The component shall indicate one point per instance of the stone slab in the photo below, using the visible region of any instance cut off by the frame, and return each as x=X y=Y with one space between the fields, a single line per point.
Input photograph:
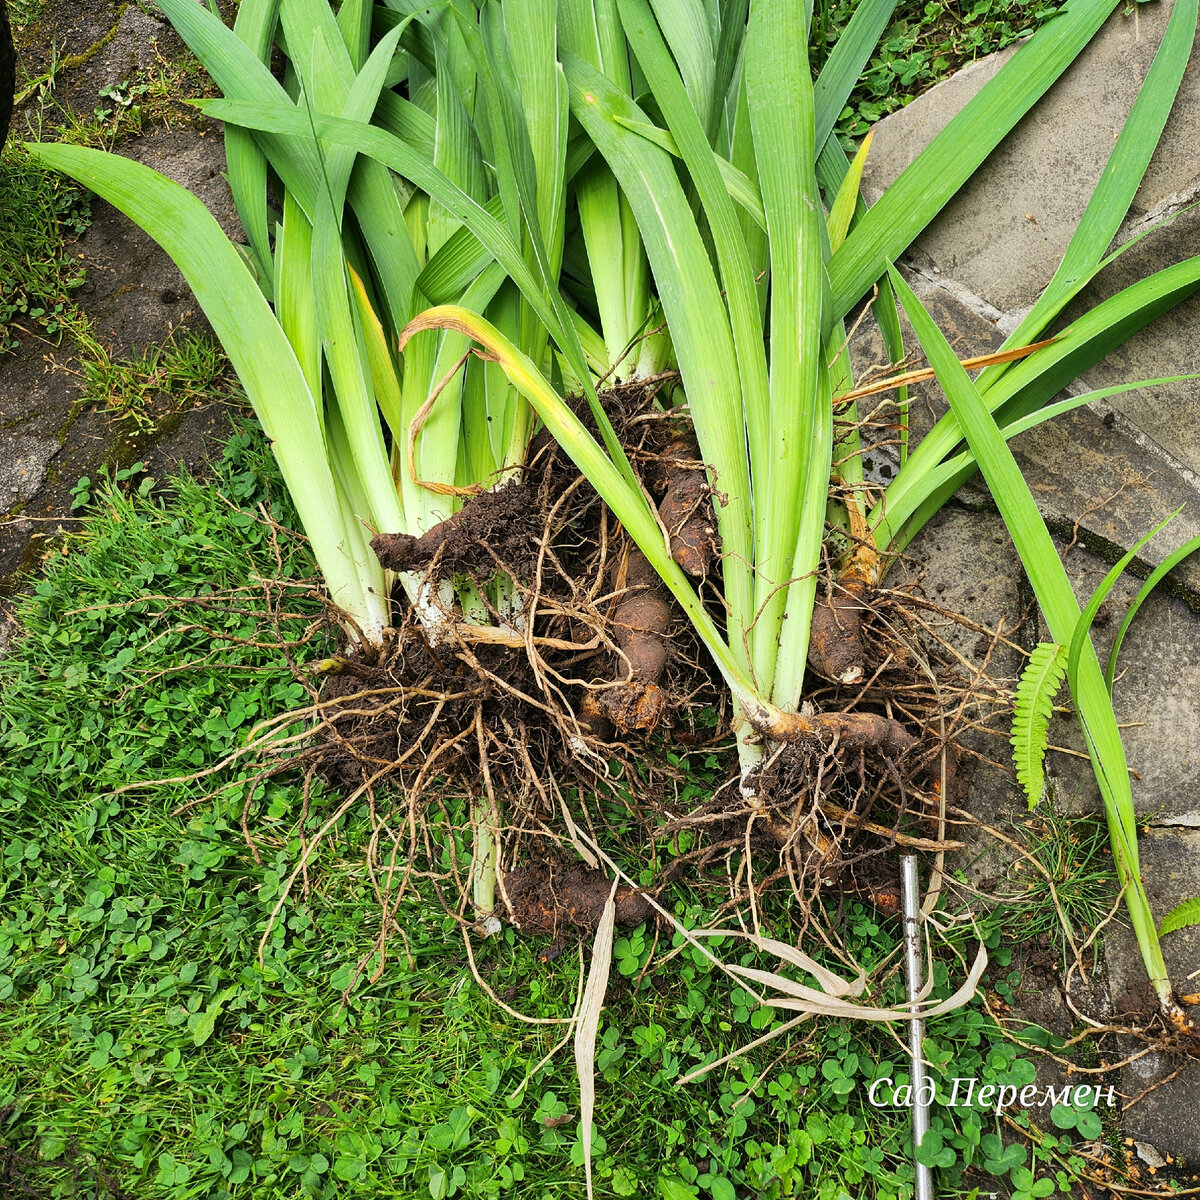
x=964 y=562
x=1091 y=472
x=1004 y=233
x=1165 y=1117
x=997 y=244
x=23 y=468
x=1155 y=696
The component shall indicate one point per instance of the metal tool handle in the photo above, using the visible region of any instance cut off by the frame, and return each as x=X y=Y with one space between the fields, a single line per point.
x=914 y=962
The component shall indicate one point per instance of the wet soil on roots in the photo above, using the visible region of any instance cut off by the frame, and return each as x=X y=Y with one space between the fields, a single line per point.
x=562 y=717
x=554 y=896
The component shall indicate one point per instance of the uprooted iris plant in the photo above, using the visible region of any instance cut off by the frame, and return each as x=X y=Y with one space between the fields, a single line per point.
x=491 y=221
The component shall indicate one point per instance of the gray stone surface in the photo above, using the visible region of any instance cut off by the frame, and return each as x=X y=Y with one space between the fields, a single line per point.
x=23 y=468
x=969 y=566
x=964 y=562
x=133 y=294
x=1103 y=476
x=1089 y=470
x=1034 y=188
x=995 y=247
x=1155 y=695
x=1165 y=1117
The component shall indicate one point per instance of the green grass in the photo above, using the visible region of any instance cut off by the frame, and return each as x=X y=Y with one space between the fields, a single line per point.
x=1075 y=854
x=22 y=12
x=141 y=1041
x=41 y=214
x=188 y=368
x=925 y=42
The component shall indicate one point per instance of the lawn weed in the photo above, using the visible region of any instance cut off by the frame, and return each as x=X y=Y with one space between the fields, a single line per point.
x=44 y=213
x=142 y=1038
x=186 y=369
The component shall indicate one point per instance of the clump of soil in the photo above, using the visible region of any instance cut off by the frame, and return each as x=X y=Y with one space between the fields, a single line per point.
x=541 y=719
x=548 y=898
x=498 y=530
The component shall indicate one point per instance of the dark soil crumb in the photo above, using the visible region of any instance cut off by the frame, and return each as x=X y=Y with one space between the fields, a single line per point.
x=493 y=531
x=547 y=898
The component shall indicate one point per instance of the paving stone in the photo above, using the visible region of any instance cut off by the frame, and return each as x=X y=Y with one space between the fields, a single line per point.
x=1166 y=1117
x=1033 y=189
x=1155 y=692
x=964 y=561
x=1106 y=473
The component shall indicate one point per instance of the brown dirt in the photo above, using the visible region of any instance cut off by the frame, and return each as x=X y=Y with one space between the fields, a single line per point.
x=26 y=1176
x=548 y=898
x=7 y=72
x=500 y=528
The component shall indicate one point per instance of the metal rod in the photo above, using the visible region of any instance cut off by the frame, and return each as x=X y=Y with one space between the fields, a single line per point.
x=914 y=962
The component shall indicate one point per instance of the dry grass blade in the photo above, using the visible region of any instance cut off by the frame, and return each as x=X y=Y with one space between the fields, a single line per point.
x=809 y=1000
x=829 y=980
x=968 y=364
x=589 y=1022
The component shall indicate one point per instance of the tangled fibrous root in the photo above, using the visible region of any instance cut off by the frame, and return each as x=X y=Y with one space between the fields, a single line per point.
x=541 y=717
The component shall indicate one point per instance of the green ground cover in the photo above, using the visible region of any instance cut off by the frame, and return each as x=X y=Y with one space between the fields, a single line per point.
x=147 y=1054
x=144 y=1052
x=925 y=42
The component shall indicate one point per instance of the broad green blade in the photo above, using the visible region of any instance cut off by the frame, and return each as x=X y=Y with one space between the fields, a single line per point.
x=737 y=183
x=695 y=312
x=406 y=121
x=617 y=263
x=924 y=187
x=241 y=74
x=844 y=203
x=246 y=165
x=736 y=271
x=405 y=161
x=1167 y=565
x=354 y=22
x=780 y=97
x=909 y=500
x=844 y=67
x=294 y=294
x=257 y=348
x=1056 y=598
x=688 y=31
x=944 y=479
x=1083 y=628
x=456 y=154
x=460 y=259
x=1118 y=184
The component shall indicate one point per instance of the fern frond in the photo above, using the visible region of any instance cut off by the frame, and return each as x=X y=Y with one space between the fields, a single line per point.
x=1182 y=916
x=1038 y=685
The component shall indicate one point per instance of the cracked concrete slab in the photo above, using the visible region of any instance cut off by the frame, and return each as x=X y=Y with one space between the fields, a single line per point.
x=996 y=245
x=51 y=431
x=1103 y=475
x=1166 y=1116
